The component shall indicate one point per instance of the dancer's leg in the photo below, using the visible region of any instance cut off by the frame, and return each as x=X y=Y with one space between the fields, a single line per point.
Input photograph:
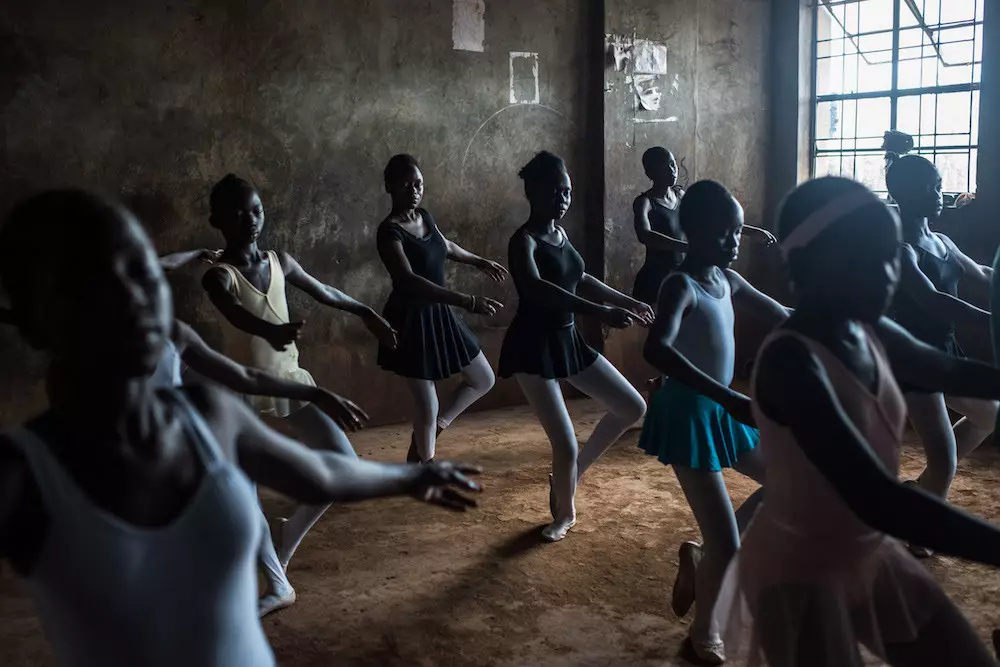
x=947 y=639
x=602 y=382
x=929 y=417
x=278 y=592
x=978 y=420
x=315 y=429
x=752 y=465
x=425 y=412
x=477 y=379
x=546 y=399
x=708 y=497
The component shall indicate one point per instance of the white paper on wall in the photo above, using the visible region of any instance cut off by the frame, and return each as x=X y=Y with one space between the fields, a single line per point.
x=524 y=78
x=649 y=57
x=468 y=25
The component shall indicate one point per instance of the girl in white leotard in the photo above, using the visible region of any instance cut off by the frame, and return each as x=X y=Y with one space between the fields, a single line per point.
x=124 y=506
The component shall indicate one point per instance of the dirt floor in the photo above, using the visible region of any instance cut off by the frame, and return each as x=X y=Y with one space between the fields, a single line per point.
x=395 y=583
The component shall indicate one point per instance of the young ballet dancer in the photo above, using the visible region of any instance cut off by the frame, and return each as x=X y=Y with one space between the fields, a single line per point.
x=543 y=345
x=818 y=573
x=128 y=509
x=694 y=419
x=927 y=306
x=434 y=342
x=656 y=214
x=247 y=285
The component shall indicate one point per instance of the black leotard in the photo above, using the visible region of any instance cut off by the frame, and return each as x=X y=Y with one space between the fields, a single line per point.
x=659 y=263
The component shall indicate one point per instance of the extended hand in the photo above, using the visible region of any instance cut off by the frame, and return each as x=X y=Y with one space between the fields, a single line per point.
x=381 y=329
x=440 y=483
x=210 y=256
x=739 y=408
x=618 y=318
x=344 y=412
x=496 y=271
x=644 y=313
x=767 y=237
x=283 y=335
x=484 y=305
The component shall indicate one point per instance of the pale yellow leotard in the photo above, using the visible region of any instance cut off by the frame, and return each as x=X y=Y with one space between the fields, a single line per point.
x=256 y=352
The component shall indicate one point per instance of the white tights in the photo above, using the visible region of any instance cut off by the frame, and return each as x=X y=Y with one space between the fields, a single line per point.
x=945 y=445
x=316 y=430
x=602 y=382
x=720 y=527
x=428 y=417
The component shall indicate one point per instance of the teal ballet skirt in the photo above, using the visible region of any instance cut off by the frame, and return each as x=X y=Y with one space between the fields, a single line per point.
x=683 y=427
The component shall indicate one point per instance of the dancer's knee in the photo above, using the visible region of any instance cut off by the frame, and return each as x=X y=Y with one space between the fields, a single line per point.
x=633 y=408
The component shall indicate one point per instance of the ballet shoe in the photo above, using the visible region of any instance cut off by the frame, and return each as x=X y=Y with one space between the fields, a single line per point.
x=412 y=455
x=557 y=530
x=703 y=654
x=688 y=557
x=272 y=602
x=277 y=527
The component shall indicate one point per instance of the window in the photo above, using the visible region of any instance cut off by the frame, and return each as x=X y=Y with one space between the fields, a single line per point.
x=908 y=65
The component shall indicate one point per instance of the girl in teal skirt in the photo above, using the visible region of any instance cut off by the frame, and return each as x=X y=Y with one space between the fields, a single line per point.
x=696 y=422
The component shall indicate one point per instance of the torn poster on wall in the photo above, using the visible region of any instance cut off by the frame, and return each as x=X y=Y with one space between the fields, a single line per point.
x=647 y=91
x=644 y=63
x=649 y=57
x=524 y=78
x=468 y=25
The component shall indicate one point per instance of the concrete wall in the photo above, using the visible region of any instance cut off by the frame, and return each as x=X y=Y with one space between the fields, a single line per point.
x=716 y=89
x=153 y=102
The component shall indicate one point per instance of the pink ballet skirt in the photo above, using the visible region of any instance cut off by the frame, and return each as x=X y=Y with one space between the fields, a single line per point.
x=811 y=578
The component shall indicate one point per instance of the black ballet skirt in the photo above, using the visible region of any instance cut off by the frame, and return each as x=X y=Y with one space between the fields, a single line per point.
x=541 y=340
x=926 y=326
x=659 y=263
x=433 y=342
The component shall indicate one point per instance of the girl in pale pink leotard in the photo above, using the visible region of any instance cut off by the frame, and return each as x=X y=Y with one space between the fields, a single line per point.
x=819 y=573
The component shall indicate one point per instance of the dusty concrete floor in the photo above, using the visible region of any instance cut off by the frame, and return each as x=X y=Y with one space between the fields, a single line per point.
x=395 y=583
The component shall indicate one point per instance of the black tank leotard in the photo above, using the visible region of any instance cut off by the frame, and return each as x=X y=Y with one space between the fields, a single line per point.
x=659 y=263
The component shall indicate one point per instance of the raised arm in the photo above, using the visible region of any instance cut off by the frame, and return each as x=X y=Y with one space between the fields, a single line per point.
x=334 y=298
x=917 y=286
x=390 y=250
x=921 y=365
x=755 y=303
x=220 y=369
x=531 y=285
x=496 y=271
x=176 y=260
x=793 y=389
x=604 y=293
x=644 y=231
x=676 y=299
x=317 y=477
x=219 y=284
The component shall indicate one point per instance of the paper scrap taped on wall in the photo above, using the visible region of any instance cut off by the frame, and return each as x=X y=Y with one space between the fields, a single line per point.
x=468 y=25
x=647 y=91
x=523 y=78
x=649 y=57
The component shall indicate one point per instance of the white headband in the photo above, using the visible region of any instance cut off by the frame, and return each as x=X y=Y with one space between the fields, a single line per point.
x=819 y=221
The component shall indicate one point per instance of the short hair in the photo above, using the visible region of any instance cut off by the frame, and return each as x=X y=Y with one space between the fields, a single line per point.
x=702 y=202
x=653 y=157
x=905 y=171
x=545 y=167
x=226 y=190
x=42 y=234
x=398 y=165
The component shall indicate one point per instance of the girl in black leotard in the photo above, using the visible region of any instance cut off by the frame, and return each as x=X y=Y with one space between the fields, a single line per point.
x=928 y=307
x=434 y=343
x=543 y=344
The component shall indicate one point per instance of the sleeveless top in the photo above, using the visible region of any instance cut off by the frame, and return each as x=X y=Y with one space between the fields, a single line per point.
x=256 y=352
x=666 y=221
x=800 y=500
x=427 y=254
x=112 y=593
x=168 y=368
x=559 y=264
x=945 y=273
x=707 y=337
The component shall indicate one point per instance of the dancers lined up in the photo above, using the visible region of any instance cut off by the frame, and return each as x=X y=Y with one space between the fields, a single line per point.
x=151 y=483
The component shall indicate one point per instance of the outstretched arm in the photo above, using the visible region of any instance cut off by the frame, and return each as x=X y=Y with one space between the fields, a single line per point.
x=176 y=260
x=496 y=271
x=219 y=284
x=602 y=292
x=241 y=379
x=920 y=365
x=644 y=230
x=918 y=286
x=317 y=477
x=676 y=298
x=793 y=389
x=754 y=302
x=973 y=270
x=333 y=297
x=767 y=237
x=530 y=284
